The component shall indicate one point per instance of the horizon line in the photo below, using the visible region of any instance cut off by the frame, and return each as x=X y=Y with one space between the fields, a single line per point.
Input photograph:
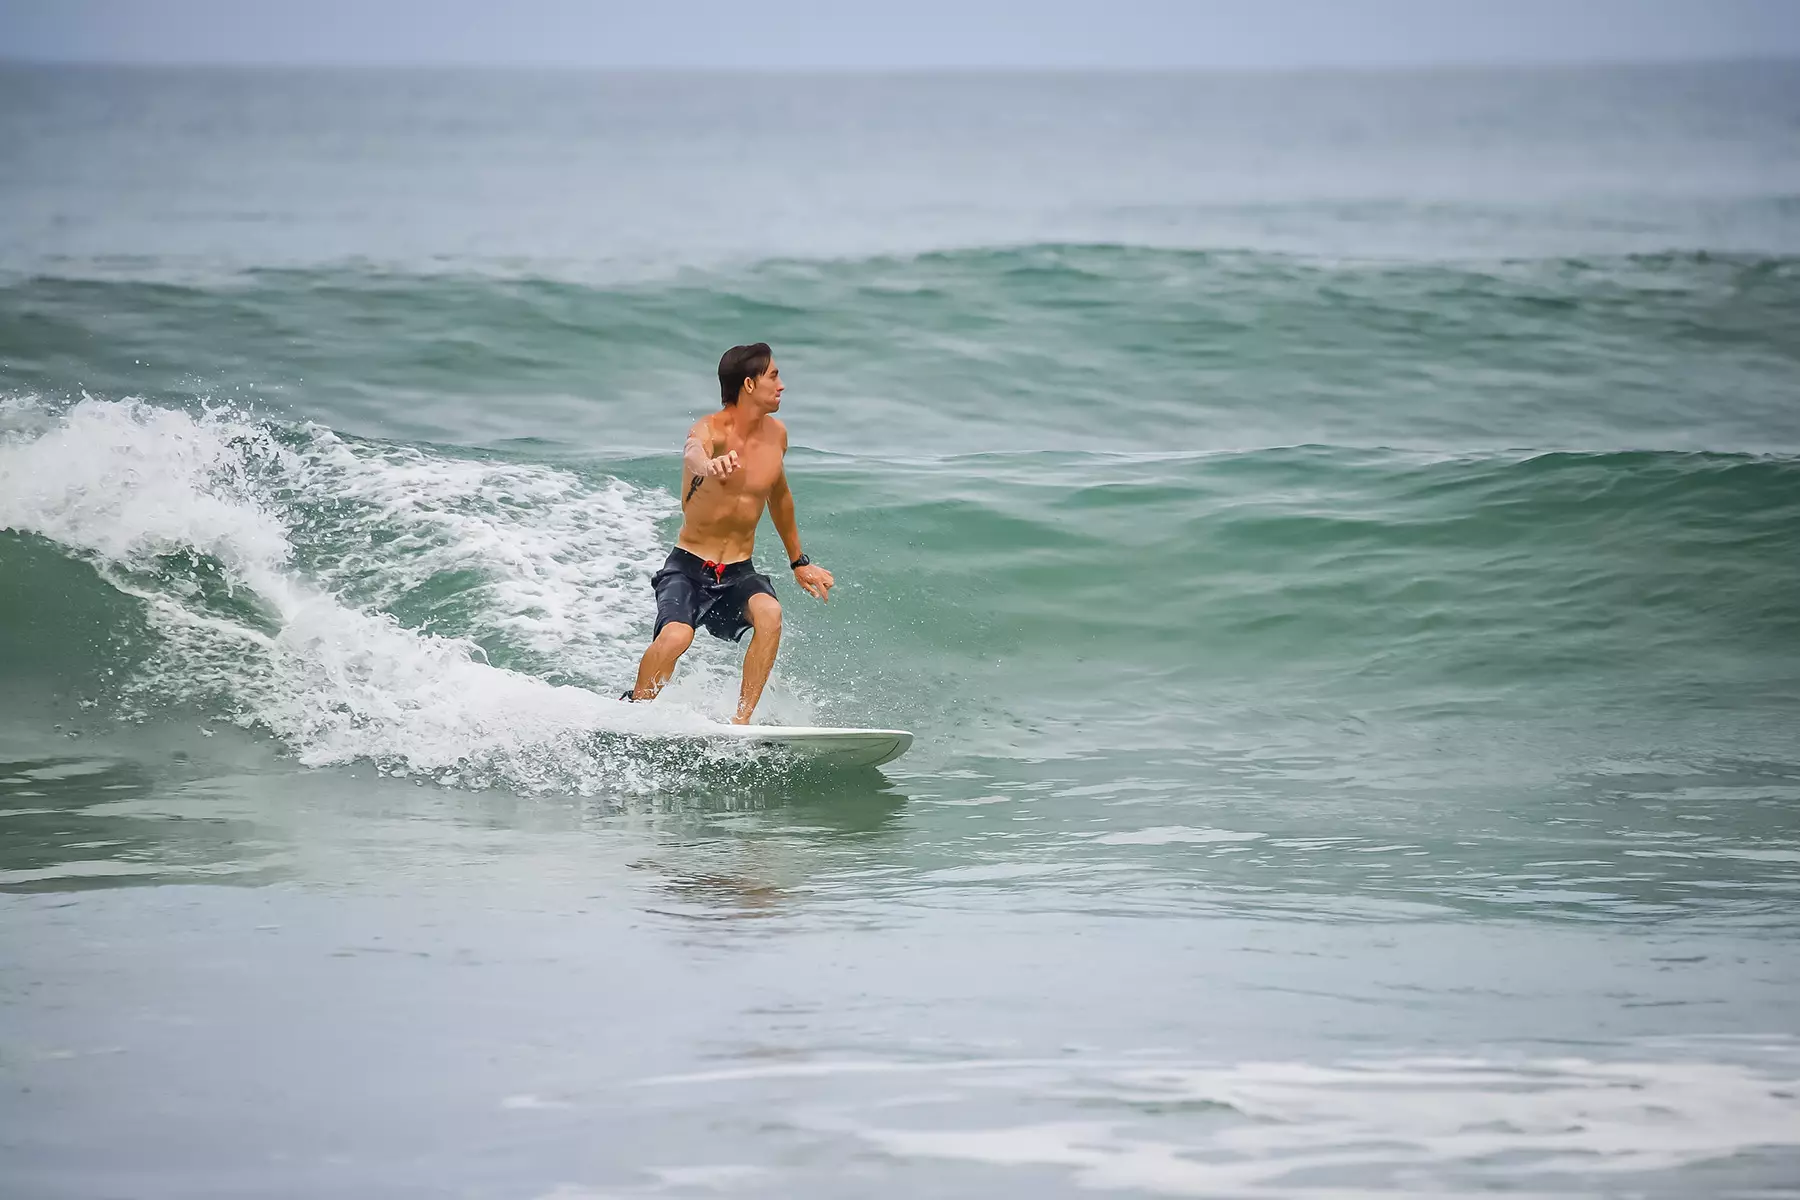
x=1470 y=64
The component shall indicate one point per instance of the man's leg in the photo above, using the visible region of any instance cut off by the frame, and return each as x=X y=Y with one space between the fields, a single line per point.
x=659 y=660
x=764 y=612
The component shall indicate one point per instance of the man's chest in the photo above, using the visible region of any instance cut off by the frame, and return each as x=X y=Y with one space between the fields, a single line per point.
x=758 y=465
x=756 y=473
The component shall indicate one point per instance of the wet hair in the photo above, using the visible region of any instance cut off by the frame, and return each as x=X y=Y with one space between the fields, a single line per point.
x=741 y=363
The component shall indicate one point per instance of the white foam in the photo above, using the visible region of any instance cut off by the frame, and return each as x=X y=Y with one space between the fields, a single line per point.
x=1436 y=1126
x=320 y=536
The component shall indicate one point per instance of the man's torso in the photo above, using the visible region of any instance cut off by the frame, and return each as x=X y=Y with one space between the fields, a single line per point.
x=719 y=517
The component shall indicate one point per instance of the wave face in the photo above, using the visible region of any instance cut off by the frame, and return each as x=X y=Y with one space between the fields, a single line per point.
x=1221 y=485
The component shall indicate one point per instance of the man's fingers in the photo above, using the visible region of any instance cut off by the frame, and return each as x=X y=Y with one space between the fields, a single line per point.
x=816 y=582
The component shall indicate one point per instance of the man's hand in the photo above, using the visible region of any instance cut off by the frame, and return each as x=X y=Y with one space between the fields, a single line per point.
x=816 y=580
x=723 y=465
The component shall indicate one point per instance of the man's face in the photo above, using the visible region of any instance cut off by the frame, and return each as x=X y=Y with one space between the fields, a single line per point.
x=765 y=390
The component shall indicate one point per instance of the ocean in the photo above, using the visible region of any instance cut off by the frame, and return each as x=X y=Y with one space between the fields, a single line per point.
x=1335 y=536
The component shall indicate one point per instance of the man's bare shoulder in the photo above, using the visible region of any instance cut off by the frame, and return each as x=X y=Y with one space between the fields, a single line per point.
x=781 y=428
x=707 y=432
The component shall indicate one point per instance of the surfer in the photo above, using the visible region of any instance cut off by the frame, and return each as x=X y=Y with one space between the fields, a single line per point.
x=731 y=471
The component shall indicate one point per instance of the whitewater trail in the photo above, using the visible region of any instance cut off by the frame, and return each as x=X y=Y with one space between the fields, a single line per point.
x=311 y=539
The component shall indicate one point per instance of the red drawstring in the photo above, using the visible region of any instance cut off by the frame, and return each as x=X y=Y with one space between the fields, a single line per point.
x=718 y=569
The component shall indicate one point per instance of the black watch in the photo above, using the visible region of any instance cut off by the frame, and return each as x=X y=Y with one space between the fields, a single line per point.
x=802 y=561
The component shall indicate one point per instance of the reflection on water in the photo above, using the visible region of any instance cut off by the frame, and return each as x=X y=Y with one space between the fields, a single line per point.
x=719 y=896
x=760 y=850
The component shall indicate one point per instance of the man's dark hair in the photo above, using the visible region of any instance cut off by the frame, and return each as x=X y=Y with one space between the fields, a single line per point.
x=741 y=363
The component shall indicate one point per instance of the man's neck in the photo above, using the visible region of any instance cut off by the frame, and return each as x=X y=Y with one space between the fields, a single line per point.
x=745 y=421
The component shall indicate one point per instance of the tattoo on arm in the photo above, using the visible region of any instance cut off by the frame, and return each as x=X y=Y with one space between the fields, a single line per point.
x=693 y=487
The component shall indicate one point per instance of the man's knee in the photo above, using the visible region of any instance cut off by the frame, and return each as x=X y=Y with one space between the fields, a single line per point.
x=675 y=637
x=765 y=614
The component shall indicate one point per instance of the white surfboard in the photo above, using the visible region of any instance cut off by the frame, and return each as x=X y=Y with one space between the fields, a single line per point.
x=830 y=747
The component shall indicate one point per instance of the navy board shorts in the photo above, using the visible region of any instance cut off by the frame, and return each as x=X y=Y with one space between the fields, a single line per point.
x=706 y=594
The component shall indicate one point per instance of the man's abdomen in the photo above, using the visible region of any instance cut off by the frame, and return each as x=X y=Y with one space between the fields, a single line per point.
x=721 y=527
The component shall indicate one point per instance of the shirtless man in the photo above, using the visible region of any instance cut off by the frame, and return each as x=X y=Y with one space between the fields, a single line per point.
x=731 y=471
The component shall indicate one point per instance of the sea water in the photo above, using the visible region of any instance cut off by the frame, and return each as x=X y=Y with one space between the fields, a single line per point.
x=1336 y=537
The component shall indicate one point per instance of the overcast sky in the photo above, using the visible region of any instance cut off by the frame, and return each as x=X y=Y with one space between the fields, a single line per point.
x=897 y=33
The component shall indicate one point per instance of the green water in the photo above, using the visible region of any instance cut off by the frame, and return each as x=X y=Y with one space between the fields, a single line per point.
x=1336 y=539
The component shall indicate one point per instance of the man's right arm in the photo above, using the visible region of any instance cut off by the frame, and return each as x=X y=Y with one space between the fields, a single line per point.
x=698 y=462
x=694 y=456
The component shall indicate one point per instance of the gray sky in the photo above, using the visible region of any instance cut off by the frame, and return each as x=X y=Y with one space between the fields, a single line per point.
x=907 y=33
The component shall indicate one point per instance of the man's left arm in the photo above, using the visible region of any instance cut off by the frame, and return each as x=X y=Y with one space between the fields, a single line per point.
x=811 y=577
